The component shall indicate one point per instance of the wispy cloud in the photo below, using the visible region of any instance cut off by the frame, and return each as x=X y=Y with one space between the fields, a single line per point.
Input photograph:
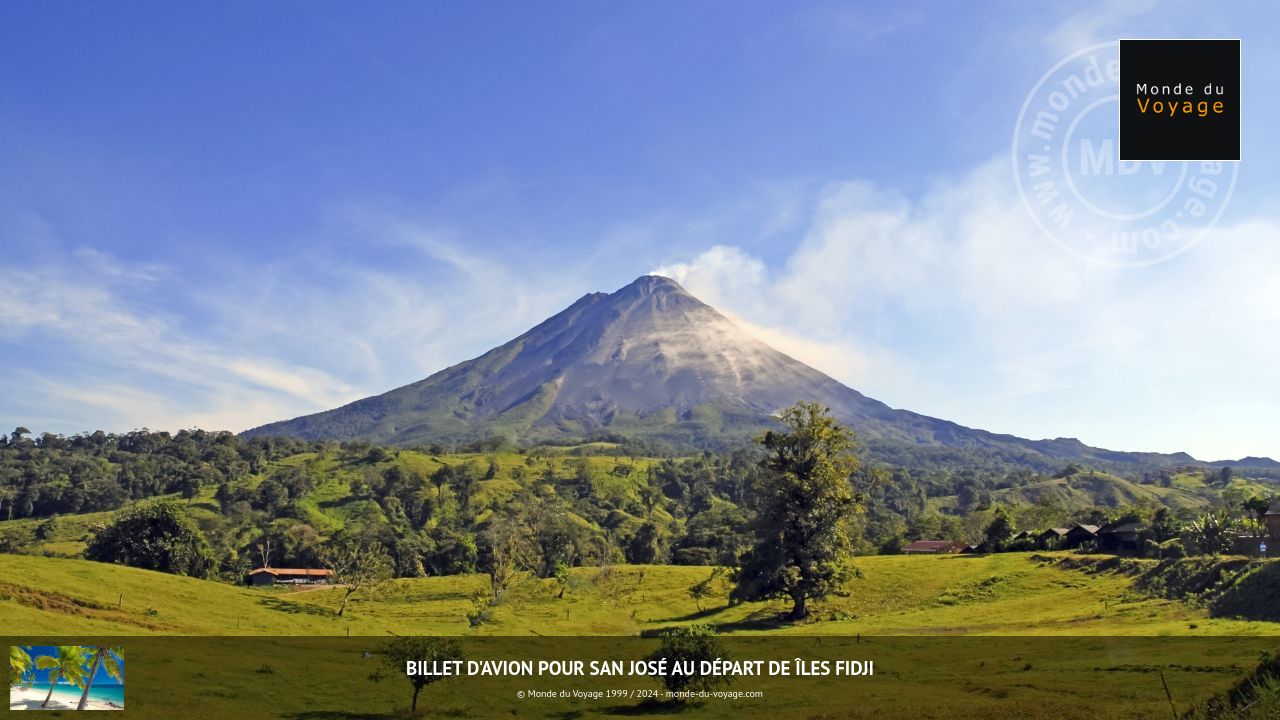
x=1105 y=21
x=844 y=25
x=120 y=345
x=956 y=305
x=91 y=319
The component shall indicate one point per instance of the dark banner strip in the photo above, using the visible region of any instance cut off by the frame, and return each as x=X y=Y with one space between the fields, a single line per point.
x=739 y=677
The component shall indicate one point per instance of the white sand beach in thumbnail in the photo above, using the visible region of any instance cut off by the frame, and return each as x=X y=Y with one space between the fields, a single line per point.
x=30 y=699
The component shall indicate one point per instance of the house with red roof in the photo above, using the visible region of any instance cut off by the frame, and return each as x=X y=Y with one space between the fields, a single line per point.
x=290 y=576
x=934 y=547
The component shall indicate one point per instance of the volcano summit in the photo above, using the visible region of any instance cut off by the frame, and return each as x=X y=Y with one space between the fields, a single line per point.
x=649 y=361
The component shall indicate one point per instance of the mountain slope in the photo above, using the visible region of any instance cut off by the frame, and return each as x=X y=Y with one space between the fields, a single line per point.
x=648 y=361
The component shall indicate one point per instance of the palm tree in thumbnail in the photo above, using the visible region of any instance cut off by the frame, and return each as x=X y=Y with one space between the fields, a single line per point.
x=19 y=664
x=67 y=665
x=110 y=658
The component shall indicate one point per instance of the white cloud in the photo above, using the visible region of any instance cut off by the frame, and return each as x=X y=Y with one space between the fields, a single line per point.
x=112 y=344
x=956 y=305
x=730 y=280
x=721 y=269
x=88 y=317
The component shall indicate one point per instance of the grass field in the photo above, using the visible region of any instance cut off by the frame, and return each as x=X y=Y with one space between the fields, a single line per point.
x=1006 y=594
x=1043 y=635
x=1075 y=633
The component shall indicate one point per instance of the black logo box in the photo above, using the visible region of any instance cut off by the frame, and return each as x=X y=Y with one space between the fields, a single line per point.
x=1155 y=74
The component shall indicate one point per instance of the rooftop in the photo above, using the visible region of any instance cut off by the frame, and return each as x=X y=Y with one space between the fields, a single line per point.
x=930 y=544
x=1124 y=528
x=293 y=571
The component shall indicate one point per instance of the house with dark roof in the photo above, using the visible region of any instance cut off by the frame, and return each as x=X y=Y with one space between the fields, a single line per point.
x=1052 y=538
x=1273 y=520
x=290 y=576
x=934 y=547
x=1121 y=536
x=1079 y=535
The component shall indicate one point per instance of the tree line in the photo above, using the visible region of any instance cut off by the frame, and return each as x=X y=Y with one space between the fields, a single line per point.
x=52 y=474
x=558 y=513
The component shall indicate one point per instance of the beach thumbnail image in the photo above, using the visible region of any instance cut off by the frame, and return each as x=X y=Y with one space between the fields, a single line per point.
x=66 y=677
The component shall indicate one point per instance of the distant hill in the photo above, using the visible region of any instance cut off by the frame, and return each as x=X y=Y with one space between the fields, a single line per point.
x=1086 y=489
x=653 y=362
x=1249 y=462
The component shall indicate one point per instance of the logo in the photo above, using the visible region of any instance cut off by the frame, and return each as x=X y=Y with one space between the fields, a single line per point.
x=1066 y=162
x=1180 y=99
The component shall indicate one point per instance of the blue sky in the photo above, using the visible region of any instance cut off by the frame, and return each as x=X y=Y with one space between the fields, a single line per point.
x=41 y=676
x=227 y=215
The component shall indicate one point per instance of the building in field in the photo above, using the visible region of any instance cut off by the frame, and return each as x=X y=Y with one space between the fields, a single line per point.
x=934 y=547
x=1052 y=539
x=290 y=576
x=1079 y=535
x=1121 y=536
x=1273 y=521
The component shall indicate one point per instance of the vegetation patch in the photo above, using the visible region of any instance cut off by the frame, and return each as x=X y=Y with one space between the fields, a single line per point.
x=1094 y=565
x=1229 y=587
x=1254 y=697
x=1252 y=594
x=984 y=590
x=62 y=604
x=47 y=600
x=1196 y=579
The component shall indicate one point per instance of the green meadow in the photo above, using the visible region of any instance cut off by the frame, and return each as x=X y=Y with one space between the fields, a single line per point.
x=1058 y=632
x=1002 y=594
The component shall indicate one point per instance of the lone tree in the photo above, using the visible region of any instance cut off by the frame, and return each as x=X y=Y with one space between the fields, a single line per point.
x=703 y=588
x=154 y=536
x=805 y=502
x=999 y=533
x=684 y=648
x=360 y=566
x=399 y=650
x=507 y=549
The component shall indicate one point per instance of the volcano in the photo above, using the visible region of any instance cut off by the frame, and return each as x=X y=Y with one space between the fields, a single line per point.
x=651 y=362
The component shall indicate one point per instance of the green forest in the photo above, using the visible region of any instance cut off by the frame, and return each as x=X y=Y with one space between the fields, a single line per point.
x=228 y=505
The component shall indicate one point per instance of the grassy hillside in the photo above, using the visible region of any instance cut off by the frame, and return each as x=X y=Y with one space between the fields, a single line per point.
x=331 y=505
x=1114 y=639
x=1087 y=488
x=1009 y=594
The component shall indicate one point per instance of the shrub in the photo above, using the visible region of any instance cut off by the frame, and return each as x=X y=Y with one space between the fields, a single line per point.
x=153 y=536
x=399 y=650
x=1150 y=548
x=1174 y=548
x=691 y=644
